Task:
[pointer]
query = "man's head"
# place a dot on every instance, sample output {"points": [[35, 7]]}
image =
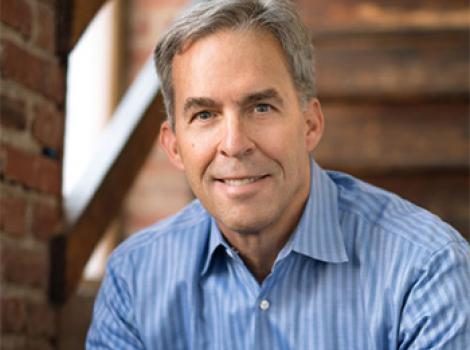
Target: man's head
{"points": [[243, 128], [276, 17]]}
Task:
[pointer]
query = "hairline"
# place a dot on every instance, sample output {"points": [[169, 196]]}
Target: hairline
{"points": [[248, 27], [284, 25]]}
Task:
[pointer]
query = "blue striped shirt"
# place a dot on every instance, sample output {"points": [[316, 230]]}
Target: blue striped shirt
{"points": [[364, 269]]}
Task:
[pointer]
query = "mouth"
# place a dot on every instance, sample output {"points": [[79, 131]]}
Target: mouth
{"points": [[240, 181]]}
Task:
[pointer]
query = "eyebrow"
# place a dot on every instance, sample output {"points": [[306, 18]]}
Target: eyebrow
{"points": [[206, 102], [199, 102], [268, 94]]}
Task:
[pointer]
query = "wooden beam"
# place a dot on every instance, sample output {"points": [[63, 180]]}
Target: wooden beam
{"points": [[73, 18], [393, 64], [83, 11], [379, 136], [347, 15], [98, 197]]}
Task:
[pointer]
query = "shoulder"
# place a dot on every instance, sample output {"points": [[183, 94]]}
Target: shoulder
{"points": [[392, 218], [417, 265], [188, 226]]}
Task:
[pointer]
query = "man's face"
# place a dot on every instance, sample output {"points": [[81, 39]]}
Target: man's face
{"points": [[242, 137]]}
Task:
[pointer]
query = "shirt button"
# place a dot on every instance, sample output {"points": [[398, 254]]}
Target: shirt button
{"points": [[264, 305]]}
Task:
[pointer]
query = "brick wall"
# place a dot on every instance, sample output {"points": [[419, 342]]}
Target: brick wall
{"points": [[160, 190], [32, 117]]}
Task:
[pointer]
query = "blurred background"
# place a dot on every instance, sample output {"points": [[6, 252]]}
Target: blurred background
{"points": [[80, 107]]}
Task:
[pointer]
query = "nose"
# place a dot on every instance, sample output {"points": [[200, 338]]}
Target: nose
{"points": [[235, 141]]}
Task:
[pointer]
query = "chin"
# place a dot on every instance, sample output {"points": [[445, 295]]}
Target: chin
{"points": [[245, 225]]}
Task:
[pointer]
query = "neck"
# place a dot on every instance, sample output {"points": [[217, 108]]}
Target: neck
{"points": [[259, 249]]}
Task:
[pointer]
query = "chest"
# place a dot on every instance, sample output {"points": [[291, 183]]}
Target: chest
{"points": [[300, 305]]}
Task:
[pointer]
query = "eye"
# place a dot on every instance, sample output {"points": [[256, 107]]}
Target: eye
{"points": [[262, 108], [203, 115]]}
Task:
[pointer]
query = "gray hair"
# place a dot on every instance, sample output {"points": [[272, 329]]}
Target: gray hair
{"points": [[279, 17]]}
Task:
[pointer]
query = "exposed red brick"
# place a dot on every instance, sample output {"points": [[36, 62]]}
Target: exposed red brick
{"points": [[13, 215], [23, 266], [141, 28], [28, 60], [45, 27], [41, 320], [12, 113], [13, 315], [25, 68], [45, 220], [48, 126], [17, 14], [32, 170]]}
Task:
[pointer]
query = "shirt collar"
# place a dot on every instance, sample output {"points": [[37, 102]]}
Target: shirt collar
{"points": [[216, 240], [318, 234]]}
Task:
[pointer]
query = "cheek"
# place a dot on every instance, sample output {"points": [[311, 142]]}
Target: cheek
{"points": [[280, 140], [289, 149], [197, 153]]}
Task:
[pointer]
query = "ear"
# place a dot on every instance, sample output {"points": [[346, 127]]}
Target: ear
{"points": [[314, 123], [169, 143]]}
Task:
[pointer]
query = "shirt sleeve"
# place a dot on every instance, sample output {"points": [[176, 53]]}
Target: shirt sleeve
{"points": [[113, 325], [436, 314]]}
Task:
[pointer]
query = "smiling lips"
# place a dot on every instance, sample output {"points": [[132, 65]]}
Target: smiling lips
{"points": [[240, 181]]}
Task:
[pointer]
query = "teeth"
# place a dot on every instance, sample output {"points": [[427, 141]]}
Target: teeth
{"points": [[240, 182]]}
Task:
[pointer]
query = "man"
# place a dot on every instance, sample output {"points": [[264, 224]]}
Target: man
{"points": [[275, 253]]}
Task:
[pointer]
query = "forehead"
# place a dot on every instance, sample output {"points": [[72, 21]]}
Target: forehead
{"points": [[228, 61], [238, 39]]}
